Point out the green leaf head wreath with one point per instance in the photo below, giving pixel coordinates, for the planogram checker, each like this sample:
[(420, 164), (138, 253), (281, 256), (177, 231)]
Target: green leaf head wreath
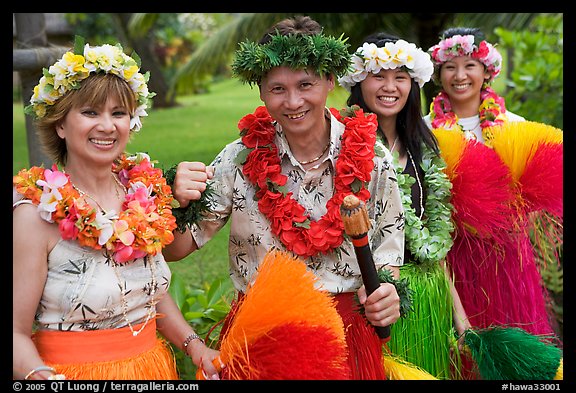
[(324, 54)]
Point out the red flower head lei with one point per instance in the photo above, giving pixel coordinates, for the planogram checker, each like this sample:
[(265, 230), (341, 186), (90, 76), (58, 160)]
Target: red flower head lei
[(144, 226), (288, 218)]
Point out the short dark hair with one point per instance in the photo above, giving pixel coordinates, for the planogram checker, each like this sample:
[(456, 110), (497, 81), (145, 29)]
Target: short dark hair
[(296, 25)]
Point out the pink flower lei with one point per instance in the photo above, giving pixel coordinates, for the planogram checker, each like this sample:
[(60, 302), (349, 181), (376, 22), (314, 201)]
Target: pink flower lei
[(287, 217), (144, 226), (492, 110)]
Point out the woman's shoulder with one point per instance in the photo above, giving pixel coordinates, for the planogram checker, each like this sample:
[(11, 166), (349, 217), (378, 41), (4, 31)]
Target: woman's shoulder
[(28, 223)]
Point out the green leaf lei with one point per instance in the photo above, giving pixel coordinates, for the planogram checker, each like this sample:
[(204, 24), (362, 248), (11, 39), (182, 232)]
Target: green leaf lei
[(405, 293), (429, 239), (194, 212), (402, 288)]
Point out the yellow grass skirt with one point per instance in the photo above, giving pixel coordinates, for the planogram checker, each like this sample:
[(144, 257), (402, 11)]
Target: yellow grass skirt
[(112, 354)]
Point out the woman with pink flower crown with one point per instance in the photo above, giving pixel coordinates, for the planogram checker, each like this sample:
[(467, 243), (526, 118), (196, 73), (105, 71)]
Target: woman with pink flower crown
[(466, 65), (90, 283), (507, 176)]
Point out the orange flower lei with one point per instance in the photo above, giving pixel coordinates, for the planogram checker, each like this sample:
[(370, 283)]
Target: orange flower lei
[(287, 217), (144, 226)]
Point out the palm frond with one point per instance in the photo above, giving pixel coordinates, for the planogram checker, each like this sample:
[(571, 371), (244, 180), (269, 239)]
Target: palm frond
[(140, 23), (217, 51)]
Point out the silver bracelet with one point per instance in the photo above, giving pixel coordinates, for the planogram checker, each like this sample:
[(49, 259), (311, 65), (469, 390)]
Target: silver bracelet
[(189, 339), (38, 369)]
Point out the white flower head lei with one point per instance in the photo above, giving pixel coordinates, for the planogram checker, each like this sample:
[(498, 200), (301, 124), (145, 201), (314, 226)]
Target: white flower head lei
[(467, 45), (399, 54), (68, 72)]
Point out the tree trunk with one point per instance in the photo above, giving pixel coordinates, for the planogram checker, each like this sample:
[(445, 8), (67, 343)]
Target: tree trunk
[(143, 46), (31, 33)]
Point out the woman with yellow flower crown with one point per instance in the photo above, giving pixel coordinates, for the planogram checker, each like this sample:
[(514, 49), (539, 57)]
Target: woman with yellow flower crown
[(507, 185), (90, 282)]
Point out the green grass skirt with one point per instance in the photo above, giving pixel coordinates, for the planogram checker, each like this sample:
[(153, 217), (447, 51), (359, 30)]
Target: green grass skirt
[(426, 335)]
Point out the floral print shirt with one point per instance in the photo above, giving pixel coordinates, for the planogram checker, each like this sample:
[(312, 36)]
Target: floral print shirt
[(250, 234)]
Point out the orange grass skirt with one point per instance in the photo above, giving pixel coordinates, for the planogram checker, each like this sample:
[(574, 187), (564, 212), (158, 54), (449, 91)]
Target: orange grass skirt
[(112, 354), (364, 346)]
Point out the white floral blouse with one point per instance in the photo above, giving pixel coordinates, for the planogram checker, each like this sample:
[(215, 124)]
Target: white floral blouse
[(250, 233), (83, 289)]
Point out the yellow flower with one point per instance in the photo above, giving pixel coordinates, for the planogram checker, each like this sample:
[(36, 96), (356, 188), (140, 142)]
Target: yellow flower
[(129, 72)]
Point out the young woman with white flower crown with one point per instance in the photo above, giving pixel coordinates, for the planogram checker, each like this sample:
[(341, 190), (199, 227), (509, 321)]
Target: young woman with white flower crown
[(386, 79), (281, 185), (495, 197), (89, 279)]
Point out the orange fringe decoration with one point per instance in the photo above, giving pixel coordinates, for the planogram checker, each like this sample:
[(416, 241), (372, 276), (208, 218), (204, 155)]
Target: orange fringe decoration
[(156, 364), (284, 328), (112, 354)]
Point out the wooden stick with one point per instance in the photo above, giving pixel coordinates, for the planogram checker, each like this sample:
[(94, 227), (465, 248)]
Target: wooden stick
[(356, 225)]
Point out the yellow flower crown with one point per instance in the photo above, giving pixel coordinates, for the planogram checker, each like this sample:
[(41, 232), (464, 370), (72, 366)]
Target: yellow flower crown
[(68, 72)]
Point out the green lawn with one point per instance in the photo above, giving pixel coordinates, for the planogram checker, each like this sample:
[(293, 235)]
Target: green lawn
[(196, 130)]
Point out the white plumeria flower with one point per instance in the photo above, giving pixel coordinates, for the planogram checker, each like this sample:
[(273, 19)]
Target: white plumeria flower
[(99, 57), (358, 75), (50, 193), (135, 122), (104, 223), (370, 52), (48, 202), (405, 54), (371, 58), (42, 94), (138, 84)]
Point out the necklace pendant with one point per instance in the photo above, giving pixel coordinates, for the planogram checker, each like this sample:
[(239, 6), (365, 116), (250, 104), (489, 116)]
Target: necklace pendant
[(135, 333)]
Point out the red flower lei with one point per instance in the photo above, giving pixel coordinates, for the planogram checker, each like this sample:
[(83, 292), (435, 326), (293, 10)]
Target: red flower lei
[(144, 226), (288, 220)]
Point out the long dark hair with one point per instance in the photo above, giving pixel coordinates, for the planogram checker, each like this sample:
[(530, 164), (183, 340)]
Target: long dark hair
[(412, 130)]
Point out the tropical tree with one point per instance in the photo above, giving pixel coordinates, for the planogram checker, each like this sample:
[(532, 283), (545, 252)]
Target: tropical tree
[(535, 87), (155, 37)]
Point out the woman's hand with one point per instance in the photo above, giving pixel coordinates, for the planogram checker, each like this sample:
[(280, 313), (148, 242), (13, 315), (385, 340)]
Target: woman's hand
[(206, 359)]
